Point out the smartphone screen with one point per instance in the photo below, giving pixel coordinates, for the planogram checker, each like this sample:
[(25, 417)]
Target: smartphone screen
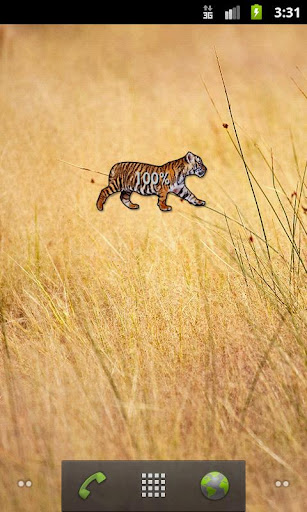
[(153, 260)]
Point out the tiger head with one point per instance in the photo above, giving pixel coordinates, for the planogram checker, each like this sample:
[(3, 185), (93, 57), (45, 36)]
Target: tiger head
[(195, 165)]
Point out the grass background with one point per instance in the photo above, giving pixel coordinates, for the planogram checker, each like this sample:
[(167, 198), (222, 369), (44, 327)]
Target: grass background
[(140, 334)]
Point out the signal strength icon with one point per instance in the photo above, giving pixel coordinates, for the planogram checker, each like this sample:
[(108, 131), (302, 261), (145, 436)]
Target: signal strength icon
[(233, 13)]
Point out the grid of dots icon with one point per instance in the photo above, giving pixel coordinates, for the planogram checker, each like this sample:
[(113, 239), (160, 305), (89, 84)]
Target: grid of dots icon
[(153, 485)]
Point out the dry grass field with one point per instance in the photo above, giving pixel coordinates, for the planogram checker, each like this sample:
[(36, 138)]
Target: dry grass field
[(141, 334)]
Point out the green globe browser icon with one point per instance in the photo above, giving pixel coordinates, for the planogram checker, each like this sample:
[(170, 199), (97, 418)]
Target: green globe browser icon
[(214, 485)]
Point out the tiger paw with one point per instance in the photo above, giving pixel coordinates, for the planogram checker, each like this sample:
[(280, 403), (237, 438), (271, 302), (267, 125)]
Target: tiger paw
[(165, 208)]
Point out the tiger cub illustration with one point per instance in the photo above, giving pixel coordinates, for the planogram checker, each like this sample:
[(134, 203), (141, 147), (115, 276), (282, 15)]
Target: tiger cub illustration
[(159, 180)]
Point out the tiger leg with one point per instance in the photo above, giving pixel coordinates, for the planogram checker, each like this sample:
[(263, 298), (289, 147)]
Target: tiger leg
[(104, 194), (125, 199), (186, 194), (162, 201)]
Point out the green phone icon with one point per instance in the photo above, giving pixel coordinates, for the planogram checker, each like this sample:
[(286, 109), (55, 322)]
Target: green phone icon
[(83, 491)]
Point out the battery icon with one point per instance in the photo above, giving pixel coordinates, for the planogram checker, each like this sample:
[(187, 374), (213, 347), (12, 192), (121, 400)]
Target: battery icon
[(256, 12)]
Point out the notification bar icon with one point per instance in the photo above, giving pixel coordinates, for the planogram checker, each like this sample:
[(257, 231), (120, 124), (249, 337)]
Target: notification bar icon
[(256, 12)]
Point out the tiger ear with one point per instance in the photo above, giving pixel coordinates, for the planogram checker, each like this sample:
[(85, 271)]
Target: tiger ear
[(189, 157)]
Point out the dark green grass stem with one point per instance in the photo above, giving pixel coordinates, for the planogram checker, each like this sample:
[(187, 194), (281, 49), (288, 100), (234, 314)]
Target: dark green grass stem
[(243, 158)]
